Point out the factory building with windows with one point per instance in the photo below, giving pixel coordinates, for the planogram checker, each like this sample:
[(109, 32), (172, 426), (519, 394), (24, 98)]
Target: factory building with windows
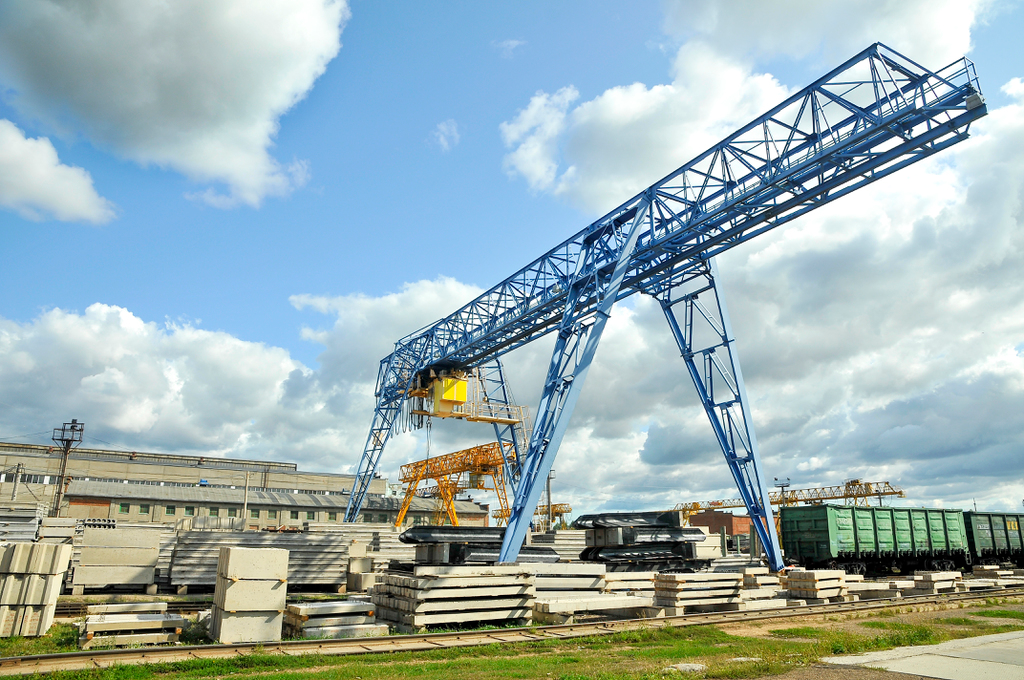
[(177, 489)]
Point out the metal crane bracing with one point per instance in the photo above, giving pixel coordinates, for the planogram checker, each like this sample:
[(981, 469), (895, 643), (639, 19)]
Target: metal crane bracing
[(869, 117)]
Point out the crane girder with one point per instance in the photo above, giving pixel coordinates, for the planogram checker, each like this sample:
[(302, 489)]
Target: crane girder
[(871, 116)]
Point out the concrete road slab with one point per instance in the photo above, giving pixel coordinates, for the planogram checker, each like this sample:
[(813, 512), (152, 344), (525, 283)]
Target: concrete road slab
[(995, 657)]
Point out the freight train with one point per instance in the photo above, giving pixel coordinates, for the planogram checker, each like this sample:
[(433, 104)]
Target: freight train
[(897, 540)]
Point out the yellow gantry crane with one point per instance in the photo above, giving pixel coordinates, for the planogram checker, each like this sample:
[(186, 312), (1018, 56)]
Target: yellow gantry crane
[(854, 490), (453, 473), (558, 511)]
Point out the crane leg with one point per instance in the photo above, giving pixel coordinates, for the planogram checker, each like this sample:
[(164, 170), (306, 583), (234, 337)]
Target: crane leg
[(578, 337), (697, 314), (510, 439)]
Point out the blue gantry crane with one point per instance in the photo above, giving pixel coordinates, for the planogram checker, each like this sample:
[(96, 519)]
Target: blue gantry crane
[(869, 117)]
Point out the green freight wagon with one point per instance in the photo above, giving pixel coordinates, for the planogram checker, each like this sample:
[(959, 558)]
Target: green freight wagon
[(877, 540), (995, 537)]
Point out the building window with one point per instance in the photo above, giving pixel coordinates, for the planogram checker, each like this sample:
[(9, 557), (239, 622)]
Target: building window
[(170, 510), (232, 512), (254, 514), (144, 509), (367, 517), (332, 517), (190, 511), (383, 519), (214, 512), (310, 515), (295, 514), (271, 514), (124, 508)]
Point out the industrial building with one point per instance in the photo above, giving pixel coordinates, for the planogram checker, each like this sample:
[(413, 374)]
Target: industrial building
[(158, 487)]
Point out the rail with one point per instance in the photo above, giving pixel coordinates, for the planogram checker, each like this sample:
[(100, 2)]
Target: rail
[(48, 663)]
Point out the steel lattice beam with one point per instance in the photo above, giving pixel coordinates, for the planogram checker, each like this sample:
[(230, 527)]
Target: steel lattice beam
[(869, 117)]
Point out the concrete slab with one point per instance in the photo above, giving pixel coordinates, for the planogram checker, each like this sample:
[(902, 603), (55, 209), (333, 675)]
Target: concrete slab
[(988, 657), (253, 563), (250, 596)]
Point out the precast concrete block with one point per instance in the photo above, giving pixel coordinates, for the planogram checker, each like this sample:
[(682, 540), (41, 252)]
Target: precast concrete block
[(231, 628), (360, 565), (259, 564), (250, 595), (26, 621), (104, 576), (121, 538), (35, 558), (104, 556), (30, 589)]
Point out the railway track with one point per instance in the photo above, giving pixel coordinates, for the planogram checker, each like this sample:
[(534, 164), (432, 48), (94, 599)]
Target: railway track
[(47, 663)]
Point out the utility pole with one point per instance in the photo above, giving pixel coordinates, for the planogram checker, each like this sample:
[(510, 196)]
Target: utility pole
[(17, 478), (245, 504), (68, 436), (551, 507)]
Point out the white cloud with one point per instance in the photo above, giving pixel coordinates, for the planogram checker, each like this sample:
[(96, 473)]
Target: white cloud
[(508, 47), (446, 134), (932, 32), (37, 185), (534, 135), (192, 86)]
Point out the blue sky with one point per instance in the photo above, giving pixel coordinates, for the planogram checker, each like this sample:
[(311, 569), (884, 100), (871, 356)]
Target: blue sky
[(394, 186)]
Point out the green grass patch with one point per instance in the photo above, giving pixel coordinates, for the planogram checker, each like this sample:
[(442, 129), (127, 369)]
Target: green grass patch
[(1000, 614), (798, 632), (960, 621), (63, 637)]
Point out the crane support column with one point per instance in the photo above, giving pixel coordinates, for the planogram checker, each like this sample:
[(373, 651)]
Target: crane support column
[(578, 336), (696, 312), (510, 439)]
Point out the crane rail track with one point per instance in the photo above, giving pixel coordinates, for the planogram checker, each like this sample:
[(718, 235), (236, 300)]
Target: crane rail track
[(46, 663)]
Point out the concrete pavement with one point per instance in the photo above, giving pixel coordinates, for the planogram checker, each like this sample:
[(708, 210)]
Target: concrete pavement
[(987, 657)]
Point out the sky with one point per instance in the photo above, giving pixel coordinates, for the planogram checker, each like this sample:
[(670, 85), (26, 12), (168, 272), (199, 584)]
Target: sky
[(217, 217)]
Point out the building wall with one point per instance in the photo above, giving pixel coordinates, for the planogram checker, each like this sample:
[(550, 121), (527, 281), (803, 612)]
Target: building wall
[(714, 520), (136, 510)]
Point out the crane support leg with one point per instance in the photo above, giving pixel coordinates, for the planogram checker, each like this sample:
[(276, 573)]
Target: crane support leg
[(697, 314), (578, 336), (510, 436)]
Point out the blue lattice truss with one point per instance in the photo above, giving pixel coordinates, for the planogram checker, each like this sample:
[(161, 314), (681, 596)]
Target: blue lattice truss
[(868, 118)]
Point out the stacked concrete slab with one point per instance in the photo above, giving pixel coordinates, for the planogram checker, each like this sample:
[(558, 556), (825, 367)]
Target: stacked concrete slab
[(381, 540), (313, 560), (249, 599), (31, 575), (124, 625), (568, 543), (761, 590), (361, 576), (432, 595), (630, 582), (936, 582), (332, 620), (118, 556), (20, 522), (817, 586), (687, 593)]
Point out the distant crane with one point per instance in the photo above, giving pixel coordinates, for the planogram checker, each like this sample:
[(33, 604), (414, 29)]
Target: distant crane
[(558, 510), (871, 116), (860, 493), (453, 473)]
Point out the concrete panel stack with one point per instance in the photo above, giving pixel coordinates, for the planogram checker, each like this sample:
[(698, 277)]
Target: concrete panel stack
[(117, 556), (568, 543), (20, 522), (630, 582), (361, 576), (432, 595), (124, 625), (761, 589), (688, 593), (249, 600), (332, 620), (31, 576), (314, 560), (563, 581), (818, 586), (57, 530), (936, 582), (381, 540)]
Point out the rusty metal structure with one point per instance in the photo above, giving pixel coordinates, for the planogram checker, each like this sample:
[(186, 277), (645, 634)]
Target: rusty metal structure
[(558, 510)]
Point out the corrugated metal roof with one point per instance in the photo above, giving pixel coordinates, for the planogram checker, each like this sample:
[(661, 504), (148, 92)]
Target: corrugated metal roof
[(204, 494)]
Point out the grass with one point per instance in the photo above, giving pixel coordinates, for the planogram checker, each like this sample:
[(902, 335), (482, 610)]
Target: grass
[(63, 637), (1000, 614)]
